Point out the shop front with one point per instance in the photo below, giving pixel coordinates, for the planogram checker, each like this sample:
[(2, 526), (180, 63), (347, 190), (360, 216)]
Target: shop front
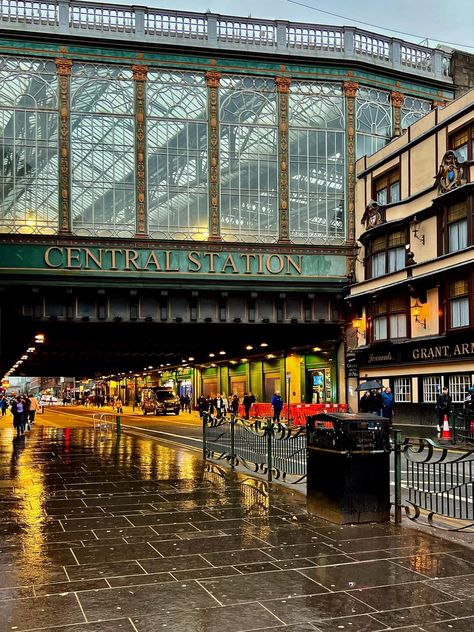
[(417, 371)]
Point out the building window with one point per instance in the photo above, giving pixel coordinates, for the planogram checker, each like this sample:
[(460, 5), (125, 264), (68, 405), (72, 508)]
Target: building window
[(457, 227), (412, 110), (316, 128), (431, 389), (402, 388), (463, 143), (389, 320), (388, 254), (29, 146), (373, 120), (459, 303), (177, 168), (102, 151), (458, 387), (387, 187), (248, 158)]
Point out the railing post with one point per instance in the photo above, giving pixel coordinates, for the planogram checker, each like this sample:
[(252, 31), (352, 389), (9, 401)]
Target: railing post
[(211, 29), (139, 19), (349, 42), (396, 54), (398, 476), (269, 431), (232, 440), (63, 16), (281, 34), (118, 425), (437, 68), (204, 424)]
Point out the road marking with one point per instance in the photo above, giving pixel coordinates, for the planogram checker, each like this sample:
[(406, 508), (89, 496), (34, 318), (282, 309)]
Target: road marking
[(169, 434)]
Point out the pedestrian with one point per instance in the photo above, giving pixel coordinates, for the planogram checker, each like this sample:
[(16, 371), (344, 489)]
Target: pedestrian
[(277, 404), (234, 405), (34, 406), (182, 402), (187, 403), (18, 416), (387, 403), (3, 405), (26, 412), (219, 405), (469, 412), (203, 405), (443, 407), (365, 402), (118, 405), (247, 402)]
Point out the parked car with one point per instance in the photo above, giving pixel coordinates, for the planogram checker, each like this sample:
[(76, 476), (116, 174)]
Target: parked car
[(159, 401)]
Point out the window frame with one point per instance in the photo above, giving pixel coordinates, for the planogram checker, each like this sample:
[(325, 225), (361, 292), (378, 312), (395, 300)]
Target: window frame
[(390, 310), (374, 248), (389, 177), (409, 391), (465, 296), (445, 223), (468, 131)]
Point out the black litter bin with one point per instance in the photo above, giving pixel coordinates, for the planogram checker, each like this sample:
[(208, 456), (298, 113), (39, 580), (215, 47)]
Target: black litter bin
[(348, 467)]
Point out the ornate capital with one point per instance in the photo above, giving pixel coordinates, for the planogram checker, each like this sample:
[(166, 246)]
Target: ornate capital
[(213, 78), (397, 99), (139, 72), (283, 84), (63, 67), (350, 88)]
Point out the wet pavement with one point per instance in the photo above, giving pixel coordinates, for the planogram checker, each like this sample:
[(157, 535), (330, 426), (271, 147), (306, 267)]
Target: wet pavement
[(100, 535)]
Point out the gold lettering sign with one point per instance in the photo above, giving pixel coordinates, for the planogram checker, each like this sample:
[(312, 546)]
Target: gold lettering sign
[(169, 261)]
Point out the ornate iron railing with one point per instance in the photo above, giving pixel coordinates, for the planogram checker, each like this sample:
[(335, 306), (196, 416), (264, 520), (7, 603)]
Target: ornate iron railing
[(75, 17), (439, 481), (261, 446)]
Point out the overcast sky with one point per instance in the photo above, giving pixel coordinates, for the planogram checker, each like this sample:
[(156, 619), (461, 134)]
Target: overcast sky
[(442, 21)]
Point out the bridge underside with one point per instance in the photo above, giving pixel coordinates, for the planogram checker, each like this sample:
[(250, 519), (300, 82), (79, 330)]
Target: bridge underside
[(93, 332)]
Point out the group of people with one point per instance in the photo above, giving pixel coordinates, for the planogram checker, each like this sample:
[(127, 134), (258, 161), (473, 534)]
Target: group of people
[(23, 409), (378, 402), (221, 405)]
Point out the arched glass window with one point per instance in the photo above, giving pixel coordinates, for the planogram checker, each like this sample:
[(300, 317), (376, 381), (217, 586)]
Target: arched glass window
[(102, 151), (317, 162), (374, 120), (412, 110), (28, 146), (177, 155), (248, 159)]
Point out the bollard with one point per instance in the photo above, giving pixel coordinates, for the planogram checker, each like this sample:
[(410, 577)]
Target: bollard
[(269, 433), (398, 475), (118, 425)]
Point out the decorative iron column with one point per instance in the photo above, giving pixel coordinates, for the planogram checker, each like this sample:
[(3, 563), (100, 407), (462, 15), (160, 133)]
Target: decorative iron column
[(63, 71), (139, 77), (213, 80), (397, 99), (283, 88), (350, 92)]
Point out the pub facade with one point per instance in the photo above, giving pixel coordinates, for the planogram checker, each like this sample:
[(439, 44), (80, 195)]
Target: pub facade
[(411, 296)]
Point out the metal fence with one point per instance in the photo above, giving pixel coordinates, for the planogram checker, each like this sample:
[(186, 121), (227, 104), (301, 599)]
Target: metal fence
[(439, 480), (271, 449)]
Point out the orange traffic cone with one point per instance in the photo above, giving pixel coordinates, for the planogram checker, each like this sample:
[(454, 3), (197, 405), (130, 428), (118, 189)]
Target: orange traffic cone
[(446, 429)]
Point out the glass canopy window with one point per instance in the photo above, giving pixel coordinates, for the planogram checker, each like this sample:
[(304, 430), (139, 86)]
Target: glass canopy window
[(374, 120), (28, 146), (102, 151), (413, 110), (177, 155), (248, 159), (317, 162)]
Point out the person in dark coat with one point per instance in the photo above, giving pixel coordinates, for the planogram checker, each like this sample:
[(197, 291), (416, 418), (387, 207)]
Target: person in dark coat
[(203, 405), (247, 402), (18, 412), (443, 406), (387, 403), (234, 405), (277, 404), (365, 403)]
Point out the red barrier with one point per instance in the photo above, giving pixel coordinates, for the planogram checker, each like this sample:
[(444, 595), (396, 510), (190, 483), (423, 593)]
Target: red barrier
[(298, 412)]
